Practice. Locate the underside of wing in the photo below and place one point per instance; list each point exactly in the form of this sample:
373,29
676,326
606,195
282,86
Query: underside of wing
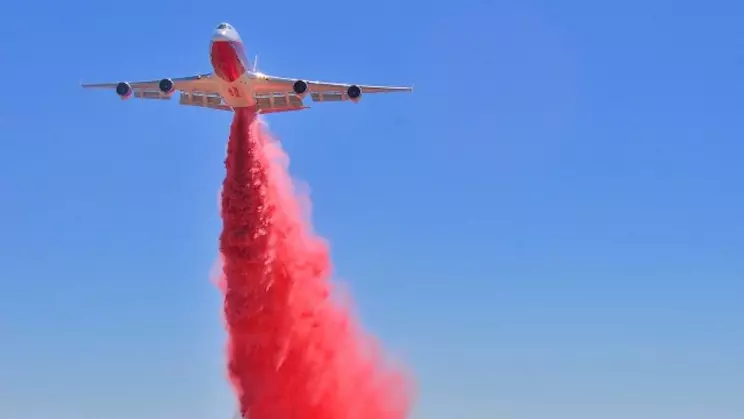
278,102
320,91
204,100
203,84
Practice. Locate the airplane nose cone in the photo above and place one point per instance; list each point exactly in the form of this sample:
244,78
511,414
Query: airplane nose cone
220,35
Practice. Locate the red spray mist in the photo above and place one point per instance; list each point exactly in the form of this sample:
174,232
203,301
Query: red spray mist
293,352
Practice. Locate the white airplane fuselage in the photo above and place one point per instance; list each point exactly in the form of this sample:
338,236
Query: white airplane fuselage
232,68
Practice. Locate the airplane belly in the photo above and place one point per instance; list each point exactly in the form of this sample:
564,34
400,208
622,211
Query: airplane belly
226,62
230,68
237,94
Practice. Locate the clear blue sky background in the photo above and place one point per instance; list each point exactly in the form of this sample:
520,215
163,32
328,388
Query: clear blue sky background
550,227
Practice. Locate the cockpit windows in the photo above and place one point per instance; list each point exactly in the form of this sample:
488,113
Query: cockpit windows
223,26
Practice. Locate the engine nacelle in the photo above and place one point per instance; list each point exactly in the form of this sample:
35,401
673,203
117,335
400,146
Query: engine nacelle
354,93
166,86
300,88
124,90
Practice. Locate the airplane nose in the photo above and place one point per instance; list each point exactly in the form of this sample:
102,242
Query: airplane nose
220,35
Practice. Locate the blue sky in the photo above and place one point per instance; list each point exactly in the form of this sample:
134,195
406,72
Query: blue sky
550,227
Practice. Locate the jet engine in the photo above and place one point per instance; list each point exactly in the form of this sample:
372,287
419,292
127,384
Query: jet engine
124,90
300,88
166,86
354,93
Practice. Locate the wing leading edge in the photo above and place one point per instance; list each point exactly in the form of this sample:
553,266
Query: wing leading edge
200,82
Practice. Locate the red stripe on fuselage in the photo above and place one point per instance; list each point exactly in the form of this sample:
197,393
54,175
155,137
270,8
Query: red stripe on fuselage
227,60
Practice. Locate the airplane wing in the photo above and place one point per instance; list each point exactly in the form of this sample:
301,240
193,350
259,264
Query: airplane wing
198,90
320,91
200,82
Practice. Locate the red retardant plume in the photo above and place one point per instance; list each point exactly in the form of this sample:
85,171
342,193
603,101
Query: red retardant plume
293,351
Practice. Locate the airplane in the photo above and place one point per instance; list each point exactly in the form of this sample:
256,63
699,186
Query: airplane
235,83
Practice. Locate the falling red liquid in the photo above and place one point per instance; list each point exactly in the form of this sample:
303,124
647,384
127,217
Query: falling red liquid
293,351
